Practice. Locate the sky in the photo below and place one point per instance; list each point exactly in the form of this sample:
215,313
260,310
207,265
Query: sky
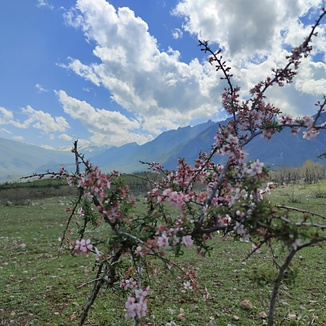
114,72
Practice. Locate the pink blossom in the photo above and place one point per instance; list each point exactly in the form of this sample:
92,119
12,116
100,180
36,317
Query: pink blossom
187,241
177,198
239,228
255,168
83,246
295,131
138,251
131,307
141,294
142,308
267,190
98,254
268,133
296,244
240,213
137,307
163,241
128,284
187,285
310,133
285,119
308,121
255,249
206,295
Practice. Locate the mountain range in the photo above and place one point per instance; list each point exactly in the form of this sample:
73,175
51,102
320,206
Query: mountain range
284,149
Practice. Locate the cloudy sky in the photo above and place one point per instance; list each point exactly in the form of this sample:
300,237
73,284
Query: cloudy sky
121,71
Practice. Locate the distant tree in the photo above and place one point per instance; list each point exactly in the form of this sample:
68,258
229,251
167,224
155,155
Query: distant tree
312,172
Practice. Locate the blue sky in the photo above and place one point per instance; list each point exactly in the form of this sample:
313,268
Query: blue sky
114,72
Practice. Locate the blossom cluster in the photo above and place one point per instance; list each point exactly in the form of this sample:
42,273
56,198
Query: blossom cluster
308,122
136,305
187,205
84,246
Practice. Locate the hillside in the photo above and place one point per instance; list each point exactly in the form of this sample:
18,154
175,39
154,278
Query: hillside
284,149
18,159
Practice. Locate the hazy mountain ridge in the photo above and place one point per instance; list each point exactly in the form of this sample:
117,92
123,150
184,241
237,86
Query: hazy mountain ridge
18,159
127,157
284,149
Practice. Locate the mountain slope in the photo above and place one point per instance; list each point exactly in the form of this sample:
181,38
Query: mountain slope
284,149
19,159
127,158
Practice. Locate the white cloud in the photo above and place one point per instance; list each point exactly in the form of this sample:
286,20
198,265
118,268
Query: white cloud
107,127
65,137
82,70
35,118
155,86
44,121
246,27
4,130
163,92
44,4
48,147
177,33
5,115
311,78
40,88
253,34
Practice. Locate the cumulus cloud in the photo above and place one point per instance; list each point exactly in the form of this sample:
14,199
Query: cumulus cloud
247,27
5,115
151,84
256,36
107,127
159,90
37,119
311,79
82,70
44,121
65,137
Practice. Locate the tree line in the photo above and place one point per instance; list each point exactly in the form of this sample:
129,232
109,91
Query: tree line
310,172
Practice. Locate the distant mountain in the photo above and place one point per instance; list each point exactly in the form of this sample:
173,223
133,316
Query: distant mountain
117,158
284,149
18,159
127,158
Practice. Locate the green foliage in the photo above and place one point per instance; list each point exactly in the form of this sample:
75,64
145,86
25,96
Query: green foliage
21,193
309,173
266,273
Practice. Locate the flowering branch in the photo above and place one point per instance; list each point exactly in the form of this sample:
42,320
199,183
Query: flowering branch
204,198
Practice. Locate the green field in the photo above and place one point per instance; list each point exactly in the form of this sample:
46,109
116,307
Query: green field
39,288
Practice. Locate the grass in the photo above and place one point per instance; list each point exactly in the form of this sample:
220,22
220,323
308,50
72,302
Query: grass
39,288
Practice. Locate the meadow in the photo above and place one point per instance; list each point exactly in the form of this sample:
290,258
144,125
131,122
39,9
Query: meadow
40,287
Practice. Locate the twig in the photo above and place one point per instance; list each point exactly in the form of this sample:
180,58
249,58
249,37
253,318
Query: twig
86,283
290,208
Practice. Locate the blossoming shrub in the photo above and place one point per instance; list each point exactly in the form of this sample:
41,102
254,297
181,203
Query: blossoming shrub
185,207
